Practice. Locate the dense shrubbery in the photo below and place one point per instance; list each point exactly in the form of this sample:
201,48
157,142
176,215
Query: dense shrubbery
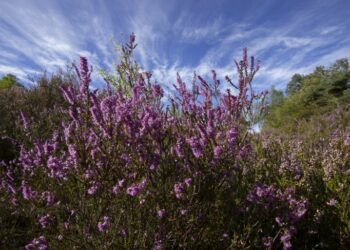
314,94
121,171
41,101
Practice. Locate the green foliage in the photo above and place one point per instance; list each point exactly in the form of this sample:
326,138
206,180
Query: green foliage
320,92
127,69
9,81
295,84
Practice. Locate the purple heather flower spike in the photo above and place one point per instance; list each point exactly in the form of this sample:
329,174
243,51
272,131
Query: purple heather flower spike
196,147
103,224
44,221
121,183
347,139
115,189
188,182
161,213
49,197
24,121
92,190
332,202
132,38
218,151
178,189
27,192
134,189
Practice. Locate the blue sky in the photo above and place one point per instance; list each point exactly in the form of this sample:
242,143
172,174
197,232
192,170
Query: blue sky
289,36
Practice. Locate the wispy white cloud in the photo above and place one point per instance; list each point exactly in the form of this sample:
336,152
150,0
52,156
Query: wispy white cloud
43,37
191,31
50,34
20,72
330,29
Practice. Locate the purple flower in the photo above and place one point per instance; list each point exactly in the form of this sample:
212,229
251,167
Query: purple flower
27,192
267,241
202,131
300,212
39,243
132,38
92,190
152,167
178,189
157,91
103,224
188,182
179,148
29,246
210,128
332,202
218,151
72,212
135,189
232,135
14,201
245,151
43,247
196,147
73,154
89,174
55,166
161,213
285,238
347,139
108,104
48,196
24,121
84,75
68,130
121,183
279,221
8,186
123,232
73,114
97,116
68,94
44,221
115,189
158,245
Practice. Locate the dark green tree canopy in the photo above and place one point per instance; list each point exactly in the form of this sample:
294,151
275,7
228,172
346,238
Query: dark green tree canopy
319,92
9,81
294,84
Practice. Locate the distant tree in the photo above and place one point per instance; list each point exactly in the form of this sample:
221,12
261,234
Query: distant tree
9,81
294,84
320,71
276,97
320,92
340,66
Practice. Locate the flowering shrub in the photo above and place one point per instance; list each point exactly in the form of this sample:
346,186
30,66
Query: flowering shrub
123,171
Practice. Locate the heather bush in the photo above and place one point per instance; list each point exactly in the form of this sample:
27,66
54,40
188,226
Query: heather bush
126,170
40,103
